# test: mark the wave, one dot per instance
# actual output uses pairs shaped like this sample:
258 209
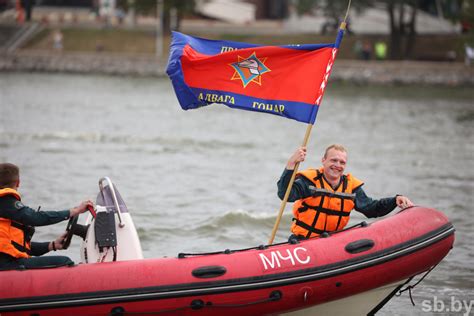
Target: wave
121 139
239 217
233 220
234 229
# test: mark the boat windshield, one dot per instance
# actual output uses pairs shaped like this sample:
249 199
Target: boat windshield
105 198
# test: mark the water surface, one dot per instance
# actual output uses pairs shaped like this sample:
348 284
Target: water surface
205 180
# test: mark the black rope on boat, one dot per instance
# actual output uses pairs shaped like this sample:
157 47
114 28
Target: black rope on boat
274 296
227 251
182 255
200 304
382 303
361 224
410 287
123 312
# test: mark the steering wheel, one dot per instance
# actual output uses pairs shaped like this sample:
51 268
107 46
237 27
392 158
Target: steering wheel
69 230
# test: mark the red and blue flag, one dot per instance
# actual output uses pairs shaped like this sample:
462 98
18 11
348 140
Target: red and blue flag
287 80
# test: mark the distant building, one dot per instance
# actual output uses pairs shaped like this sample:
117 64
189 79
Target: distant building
66 3
240 11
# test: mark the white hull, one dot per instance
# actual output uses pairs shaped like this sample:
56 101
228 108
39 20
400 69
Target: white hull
359 304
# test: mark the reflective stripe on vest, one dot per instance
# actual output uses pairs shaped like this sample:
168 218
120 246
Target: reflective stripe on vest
327 209
12 234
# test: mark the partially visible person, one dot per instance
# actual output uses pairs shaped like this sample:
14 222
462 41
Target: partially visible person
325 197
469 54
366 50
58 40
17 223
380 50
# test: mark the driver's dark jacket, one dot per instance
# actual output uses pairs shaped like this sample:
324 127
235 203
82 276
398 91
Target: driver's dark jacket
10 209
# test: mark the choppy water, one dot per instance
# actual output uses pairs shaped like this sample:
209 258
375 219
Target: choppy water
205 180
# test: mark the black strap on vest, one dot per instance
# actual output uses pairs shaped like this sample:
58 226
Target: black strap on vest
21 248
18 225
321 203
309 228
344 187
323 192
28 231
305 206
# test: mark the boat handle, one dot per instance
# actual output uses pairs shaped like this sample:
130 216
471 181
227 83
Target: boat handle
360 246
114 197
209 272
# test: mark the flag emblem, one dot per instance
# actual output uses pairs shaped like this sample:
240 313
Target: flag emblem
249 69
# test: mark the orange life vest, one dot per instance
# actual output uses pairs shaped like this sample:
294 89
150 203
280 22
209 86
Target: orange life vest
328 209
12 234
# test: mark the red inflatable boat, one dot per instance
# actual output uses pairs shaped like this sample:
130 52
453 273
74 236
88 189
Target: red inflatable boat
366 264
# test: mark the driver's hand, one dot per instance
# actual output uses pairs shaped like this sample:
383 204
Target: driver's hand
58 242
81 208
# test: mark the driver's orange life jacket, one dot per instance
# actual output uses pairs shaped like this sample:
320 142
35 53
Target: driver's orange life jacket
328 209
12 234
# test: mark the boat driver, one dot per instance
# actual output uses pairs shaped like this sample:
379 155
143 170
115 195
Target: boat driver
325 197
17 223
